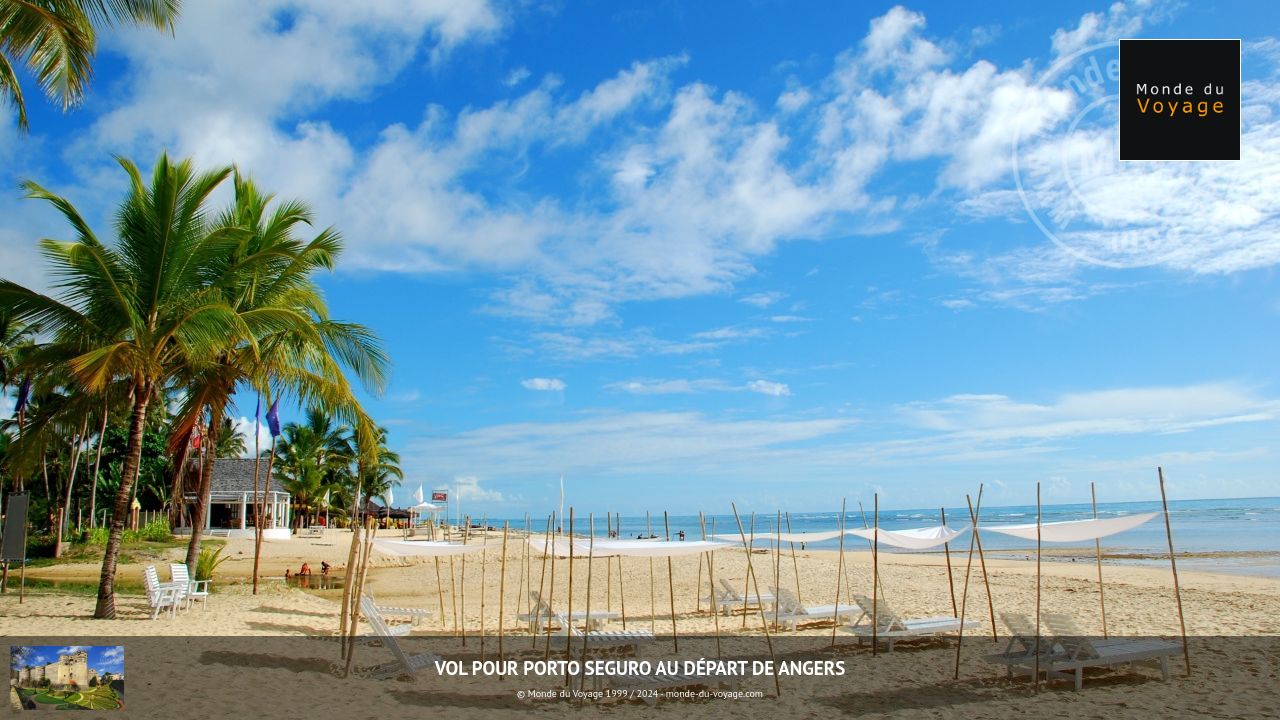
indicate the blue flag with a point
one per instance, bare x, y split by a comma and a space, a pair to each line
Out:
24, 394
273, 418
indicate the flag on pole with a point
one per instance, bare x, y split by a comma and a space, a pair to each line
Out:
24, 394
326, 499
273, 418
417, 496
390, 497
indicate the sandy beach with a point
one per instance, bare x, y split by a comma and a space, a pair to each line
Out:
1232, 620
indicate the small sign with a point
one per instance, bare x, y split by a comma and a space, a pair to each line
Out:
1179, 99
13, 542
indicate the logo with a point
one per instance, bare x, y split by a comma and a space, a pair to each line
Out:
1179, 99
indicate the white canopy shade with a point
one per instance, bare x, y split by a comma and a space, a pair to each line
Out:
629, 548
1074, 530
800, 537
432, 548
912, 539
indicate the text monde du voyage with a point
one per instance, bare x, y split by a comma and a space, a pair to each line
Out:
1180, 99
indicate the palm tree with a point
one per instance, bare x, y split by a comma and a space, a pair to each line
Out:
230, 442
295, 349
314, 460
138, 310
57, 39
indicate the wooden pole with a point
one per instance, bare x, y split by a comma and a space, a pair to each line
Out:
608, 564
875, 574
1038, 521
777, 564
671, 586
698, 584
462, 580
711, 582
591, 554
502, 590
551, 588
795, 564
484, 565
777, 684
964, 595
1097, 549
1173, 564
946, 549
975, 516
440, 591
839, 567
568, 632
534, 612
879, 586
751, 576
653, 605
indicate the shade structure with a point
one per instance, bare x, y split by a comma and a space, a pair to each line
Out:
625, 548
423, 548
800, 537
1074, 530
914, 538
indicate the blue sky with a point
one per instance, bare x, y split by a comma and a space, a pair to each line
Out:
771, 252
103, 658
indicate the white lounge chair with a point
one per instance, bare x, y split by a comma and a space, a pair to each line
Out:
160, 596
415, 615
790, 613
728, 599
542, 615
191, 590
1023, 643
1080, 652
601, 639
404, 663
890, 627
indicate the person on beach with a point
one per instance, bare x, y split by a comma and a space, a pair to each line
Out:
681, 536
304, 570
287, 575
324, 568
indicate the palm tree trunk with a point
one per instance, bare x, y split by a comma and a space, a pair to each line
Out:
106, 608
201, 509
97, 465
71, 482
257, 541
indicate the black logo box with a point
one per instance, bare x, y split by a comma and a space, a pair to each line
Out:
1158, 78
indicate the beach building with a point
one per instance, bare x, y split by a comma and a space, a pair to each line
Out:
231, 506
69, 670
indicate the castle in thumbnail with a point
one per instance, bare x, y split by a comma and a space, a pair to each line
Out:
67, 671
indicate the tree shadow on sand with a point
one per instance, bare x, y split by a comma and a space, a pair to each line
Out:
264, 660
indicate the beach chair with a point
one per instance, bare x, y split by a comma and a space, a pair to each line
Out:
160, 596
404, 663
415, 615
891, 627
600, 639
1080, 652
541, 615
1020, 650
728, 599
790, 613
192, 590
312, 531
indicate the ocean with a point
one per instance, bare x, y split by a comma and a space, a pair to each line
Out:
1237, 535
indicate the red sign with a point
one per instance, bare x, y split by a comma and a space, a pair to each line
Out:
439, 497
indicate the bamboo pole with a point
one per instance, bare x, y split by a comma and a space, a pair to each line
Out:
608, 564
568, 632
795, 564
502, 591
751, 576
946, 549
484, 564
1038, 543
844, 506
711, 582
777, 565
671, 586
453, 595
1097, 549
974, 518
698, 582
440, 591
542, 580
1173, 564
551, 592
462, 580
591, 553
875, 574
964, 595
777, 684
622, 595
653, 605
879, 584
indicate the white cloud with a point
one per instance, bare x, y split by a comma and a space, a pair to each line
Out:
543, 384
468, 488
1122, 19
244, 428
516, 76
766, 387
762, 299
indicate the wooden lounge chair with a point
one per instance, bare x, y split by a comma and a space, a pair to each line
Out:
404, 663
192, 590
542, 615
1080, 652
729, 599
601, 639
415, 615
161, 596
890, 627
790, 613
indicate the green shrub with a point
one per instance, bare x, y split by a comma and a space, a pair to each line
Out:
208, 561
155, 531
